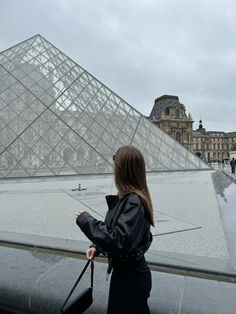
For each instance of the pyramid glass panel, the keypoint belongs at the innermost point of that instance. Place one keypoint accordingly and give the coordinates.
(57, 119)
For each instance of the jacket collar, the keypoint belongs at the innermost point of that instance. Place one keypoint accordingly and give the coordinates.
(112, 201)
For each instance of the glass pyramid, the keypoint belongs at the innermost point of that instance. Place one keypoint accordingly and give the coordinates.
(57, 119)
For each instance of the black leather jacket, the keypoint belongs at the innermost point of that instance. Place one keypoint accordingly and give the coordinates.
(125, 230)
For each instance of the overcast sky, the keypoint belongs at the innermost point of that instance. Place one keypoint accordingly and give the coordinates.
(142, 49)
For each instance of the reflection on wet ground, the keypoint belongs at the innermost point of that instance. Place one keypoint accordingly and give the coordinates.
(46, 258)
(225, 188)
(221, 183)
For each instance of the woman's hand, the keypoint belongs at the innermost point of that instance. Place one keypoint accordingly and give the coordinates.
(77, 213)
(90, 253)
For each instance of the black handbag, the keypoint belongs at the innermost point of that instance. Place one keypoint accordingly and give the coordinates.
(84, 299)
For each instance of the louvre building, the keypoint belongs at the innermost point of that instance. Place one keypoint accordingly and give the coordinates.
(57, 119)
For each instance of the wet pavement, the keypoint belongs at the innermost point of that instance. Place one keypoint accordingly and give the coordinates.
(36, 282)
(225, 187)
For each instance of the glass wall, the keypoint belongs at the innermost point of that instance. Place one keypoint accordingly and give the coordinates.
(57, 119)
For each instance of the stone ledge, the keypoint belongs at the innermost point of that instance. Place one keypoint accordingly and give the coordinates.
(35, 282)
(181, 264)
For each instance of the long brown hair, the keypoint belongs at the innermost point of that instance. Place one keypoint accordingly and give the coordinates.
(130, 176)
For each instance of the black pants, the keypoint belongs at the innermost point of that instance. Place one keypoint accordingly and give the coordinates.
(129, 293)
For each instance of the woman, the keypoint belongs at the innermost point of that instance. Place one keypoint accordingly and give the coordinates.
(125, 235)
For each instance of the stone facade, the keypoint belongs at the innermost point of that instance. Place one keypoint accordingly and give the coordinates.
(170, 116)
(212, 146)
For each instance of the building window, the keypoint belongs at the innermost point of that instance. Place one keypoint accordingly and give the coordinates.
(178, 136)
(177, 113)
(167, 111)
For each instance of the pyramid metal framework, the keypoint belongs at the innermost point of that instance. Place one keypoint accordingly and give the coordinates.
(57, 119)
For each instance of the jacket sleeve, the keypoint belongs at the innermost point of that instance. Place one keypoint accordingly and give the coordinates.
(124, 237)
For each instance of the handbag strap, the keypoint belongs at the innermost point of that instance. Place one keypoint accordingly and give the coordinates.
(77, 281)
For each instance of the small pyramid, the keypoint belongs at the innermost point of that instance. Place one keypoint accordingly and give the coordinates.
(57, 119)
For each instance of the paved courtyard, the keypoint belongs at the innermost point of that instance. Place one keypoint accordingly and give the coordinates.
(186, 211)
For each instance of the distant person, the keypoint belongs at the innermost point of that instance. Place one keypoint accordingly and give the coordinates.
(233, 164)
(125, 235)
